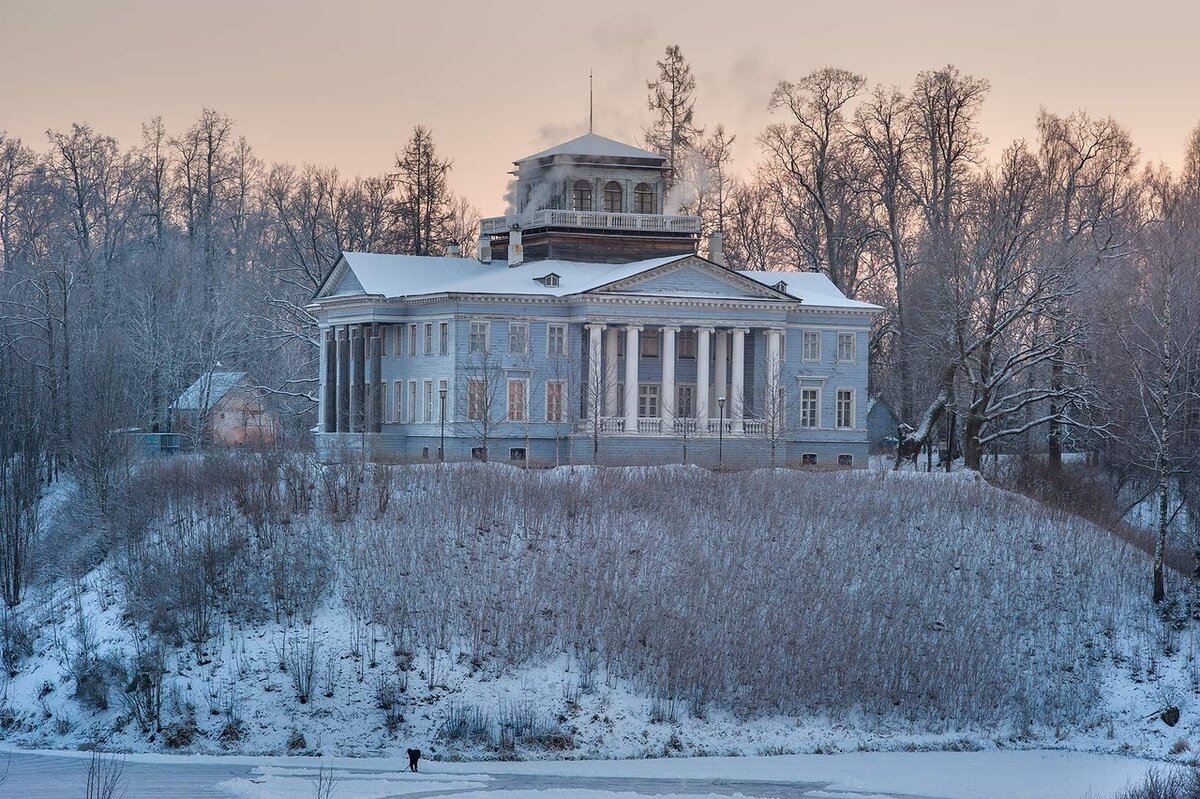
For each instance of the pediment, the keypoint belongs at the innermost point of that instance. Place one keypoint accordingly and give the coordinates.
(341, 282)
(693, 277)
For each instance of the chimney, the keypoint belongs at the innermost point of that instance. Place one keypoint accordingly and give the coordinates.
(716, 249)
(485, 250)
(452, 250)
(516, 253)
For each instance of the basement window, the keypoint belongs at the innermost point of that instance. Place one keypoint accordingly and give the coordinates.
(845, 460)
(517, 454)
(808, 459)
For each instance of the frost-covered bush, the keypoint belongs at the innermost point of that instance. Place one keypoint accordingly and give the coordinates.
(1171, 784)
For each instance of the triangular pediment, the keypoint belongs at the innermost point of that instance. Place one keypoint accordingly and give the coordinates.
(692, 276)
(341, 282)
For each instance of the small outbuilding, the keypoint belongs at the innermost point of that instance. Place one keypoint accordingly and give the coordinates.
(224, 409)
(881, 426)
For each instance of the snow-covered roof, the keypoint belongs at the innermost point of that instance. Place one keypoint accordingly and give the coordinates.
(208, 390)
(416, 275)
(403, 276)
(813, 288)
(592, 144)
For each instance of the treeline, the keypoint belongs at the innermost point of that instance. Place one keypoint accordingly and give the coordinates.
(126, 271)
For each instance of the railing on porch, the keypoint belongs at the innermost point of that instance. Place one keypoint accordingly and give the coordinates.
(683, 426)
(649, 425)
(686, 426)
(612, 424)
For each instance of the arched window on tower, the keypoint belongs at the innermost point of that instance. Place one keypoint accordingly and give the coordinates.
(612, 197)
(582, 196)
(643, 199)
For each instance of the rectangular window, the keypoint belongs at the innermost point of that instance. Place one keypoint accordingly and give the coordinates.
(428, 338)
(398, 402)
(649, 344)
(556, 400)
(412, 400)
(516, 400)
(685, 401)
(648, 400)
(685, 344)
(385, 333)
(429, 400)
(518, 338)
(443, 338)
(476, 400)
(845, 460)
(412, 339)
(810, 407)
(812, 345)
(809, 459)
(845, 351)
(845, 407)
(478, 344)
(556, 340)
(443, 400)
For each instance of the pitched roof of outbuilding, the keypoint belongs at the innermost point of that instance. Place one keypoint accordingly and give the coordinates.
(208, 390)
(594, 145)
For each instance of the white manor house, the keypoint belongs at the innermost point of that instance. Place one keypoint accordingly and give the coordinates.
(587, 329)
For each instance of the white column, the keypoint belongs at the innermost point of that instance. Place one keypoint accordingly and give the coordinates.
(595, 374)
(720, 368)
(632, 353)
(610, 371)
(774, 363)
(738, 366)
(666, 401)
(702, 342)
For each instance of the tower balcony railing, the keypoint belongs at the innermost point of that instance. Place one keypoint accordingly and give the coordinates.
(591, 220)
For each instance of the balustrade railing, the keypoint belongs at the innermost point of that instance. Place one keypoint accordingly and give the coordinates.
(649, 425)
(591, 220)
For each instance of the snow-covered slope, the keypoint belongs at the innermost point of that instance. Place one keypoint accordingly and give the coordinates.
(482, 611)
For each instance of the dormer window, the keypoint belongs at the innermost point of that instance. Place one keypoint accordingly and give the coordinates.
(643, 199)
(581, 198)
(781, 286)
(612, 197)
(549, 281)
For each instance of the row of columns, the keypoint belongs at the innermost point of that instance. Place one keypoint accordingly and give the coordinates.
(352, 397)
(604, 335)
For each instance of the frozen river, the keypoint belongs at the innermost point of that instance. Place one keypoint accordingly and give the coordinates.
(940, 775)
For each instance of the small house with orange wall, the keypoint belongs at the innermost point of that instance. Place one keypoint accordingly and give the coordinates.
(224, 409)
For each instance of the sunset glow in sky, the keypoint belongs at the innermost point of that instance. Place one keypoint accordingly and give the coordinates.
(344, 82)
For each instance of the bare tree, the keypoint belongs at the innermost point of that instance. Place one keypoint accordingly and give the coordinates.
(814, 169)
(1088, 166)
(1153, 315)
(105, 777)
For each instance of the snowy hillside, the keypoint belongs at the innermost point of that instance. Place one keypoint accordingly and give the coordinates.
(268, 606)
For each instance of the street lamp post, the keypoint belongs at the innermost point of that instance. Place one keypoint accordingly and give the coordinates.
(721, 433)
(442, 416)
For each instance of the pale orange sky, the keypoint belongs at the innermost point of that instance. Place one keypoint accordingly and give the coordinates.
(342, 82)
